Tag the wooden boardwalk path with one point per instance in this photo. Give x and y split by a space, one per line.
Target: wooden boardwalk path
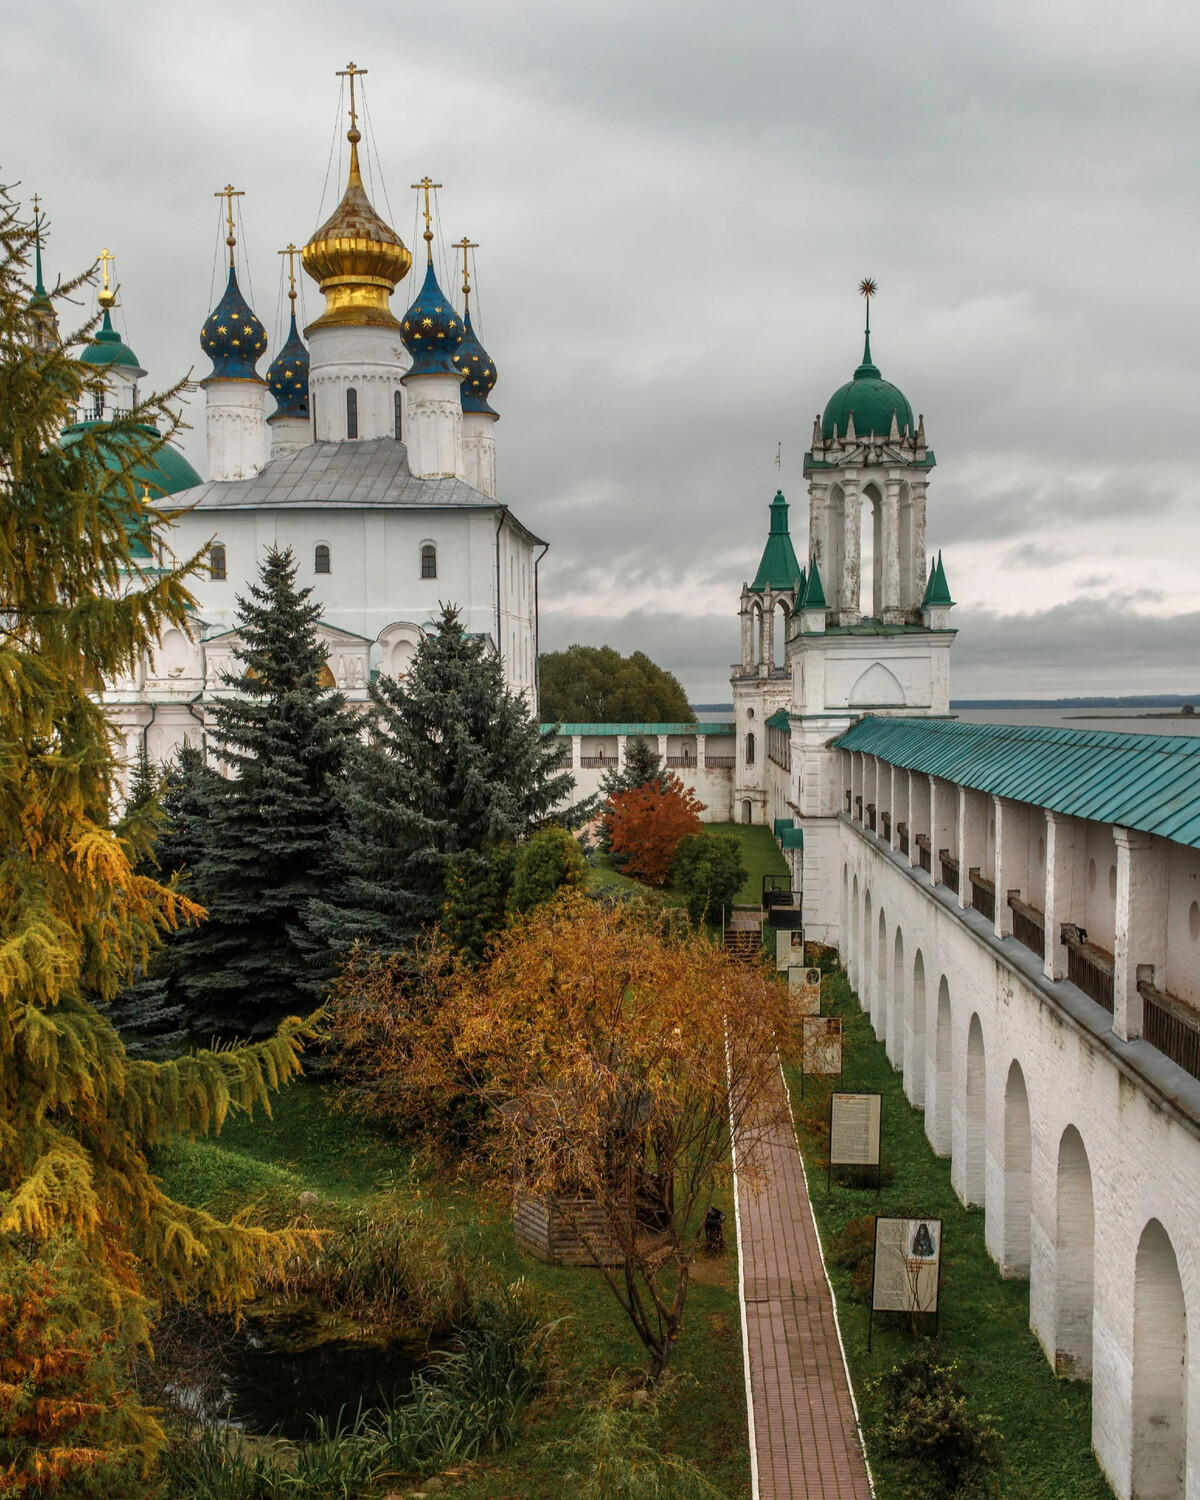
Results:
804 1431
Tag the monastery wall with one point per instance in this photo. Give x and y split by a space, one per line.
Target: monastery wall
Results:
701 758
1082 1149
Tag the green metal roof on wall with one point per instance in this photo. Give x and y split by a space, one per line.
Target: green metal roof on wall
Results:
779 720
793 838
1150 782
778 569
720 726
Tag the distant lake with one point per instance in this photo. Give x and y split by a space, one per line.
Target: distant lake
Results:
1124 721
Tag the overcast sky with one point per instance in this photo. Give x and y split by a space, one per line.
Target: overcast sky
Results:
674 203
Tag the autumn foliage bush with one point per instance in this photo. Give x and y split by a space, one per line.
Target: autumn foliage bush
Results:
646 825
602 1055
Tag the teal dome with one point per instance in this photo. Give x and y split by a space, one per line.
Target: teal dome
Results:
108 348
872 400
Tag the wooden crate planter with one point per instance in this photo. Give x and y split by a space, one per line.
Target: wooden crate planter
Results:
547 1229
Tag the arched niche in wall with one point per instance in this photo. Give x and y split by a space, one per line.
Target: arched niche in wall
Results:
398 644
877 688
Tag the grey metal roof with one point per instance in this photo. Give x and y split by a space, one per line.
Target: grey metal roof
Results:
1150 782
371 472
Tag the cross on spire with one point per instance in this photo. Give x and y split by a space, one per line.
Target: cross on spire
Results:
465 245
426 185
868 287
107 296
229 193
291 252
351 72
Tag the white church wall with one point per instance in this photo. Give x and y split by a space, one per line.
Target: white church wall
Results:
375 568
1077 1083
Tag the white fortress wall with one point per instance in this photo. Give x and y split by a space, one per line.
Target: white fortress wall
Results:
1078 1138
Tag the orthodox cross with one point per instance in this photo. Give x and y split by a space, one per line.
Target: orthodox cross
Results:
464 245
106 298
425 185
291 252
37 203
351 72
229 193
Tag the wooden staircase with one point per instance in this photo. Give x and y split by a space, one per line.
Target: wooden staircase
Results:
742 936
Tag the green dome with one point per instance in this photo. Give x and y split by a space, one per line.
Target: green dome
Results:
872 400
166 473
110 349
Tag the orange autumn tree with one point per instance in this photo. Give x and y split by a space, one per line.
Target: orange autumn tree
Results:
645 826
618 1052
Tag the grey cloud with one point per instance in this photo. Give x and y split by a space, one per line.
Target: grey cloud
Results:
674 203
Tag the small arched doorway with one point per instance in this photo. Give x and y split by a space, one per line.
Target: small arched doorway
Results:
1160 1358
973 1176
747 810
1014 1251
1074 1259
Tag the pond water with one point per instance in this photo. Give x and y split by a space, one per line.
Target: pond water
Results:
269 1389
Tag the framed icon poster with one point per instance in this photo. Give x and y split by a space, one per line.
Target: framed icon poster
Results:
855 1132
907 1275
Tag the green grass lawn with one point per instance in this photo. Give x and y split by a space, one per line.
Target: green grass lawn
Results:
761 856
1046 1422
702 1408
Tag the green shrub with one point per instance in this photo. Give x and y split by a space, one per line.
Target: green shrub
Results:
478 887
550 859
612 1456
948 1451
707 868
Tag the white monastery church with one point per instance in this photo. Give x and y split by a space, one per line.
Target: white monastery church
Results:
377 467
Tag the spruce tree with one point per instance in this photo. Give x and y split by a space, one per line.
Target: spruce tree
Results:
84 1226
454 762
265 851
151 1013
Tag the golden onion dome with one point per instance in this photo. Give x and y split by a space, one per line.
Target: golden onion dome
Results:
356 259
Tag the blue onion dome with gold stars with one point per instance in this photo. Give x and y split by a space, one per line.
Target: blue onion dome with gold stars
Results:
479 373
232 336
287 377
432 330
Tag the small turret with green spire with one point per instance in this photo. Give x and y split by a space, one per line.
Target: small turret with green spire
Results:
40 304
937 590
779 569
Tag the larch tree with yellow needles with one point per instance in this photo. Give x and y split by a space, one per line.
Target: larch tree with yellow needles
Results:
89 1242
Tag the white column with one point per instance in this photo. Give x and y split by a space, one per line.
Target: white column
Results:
434 430
891 604
1064 887
917 489
851 612
1141 923
236 427
1012 858
973 808
943 803
576 751
479 451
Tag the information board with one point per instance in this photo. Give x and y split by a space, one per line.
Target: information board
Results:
821 1046
854 1121
804 995
789 947
908 1263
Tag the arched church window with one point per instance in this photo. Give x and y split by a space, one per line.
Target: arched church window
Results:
749 749
428 561
351 413
216 560
321 559
397 417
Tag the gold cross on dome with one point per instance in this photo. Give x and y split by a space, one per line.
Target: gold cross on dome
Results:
426 185
229 193
351 72
464 245
291 252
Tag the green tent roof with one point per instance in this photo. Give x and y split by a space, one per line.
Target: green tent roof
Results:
778 569
814 594
1150 782
937 590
